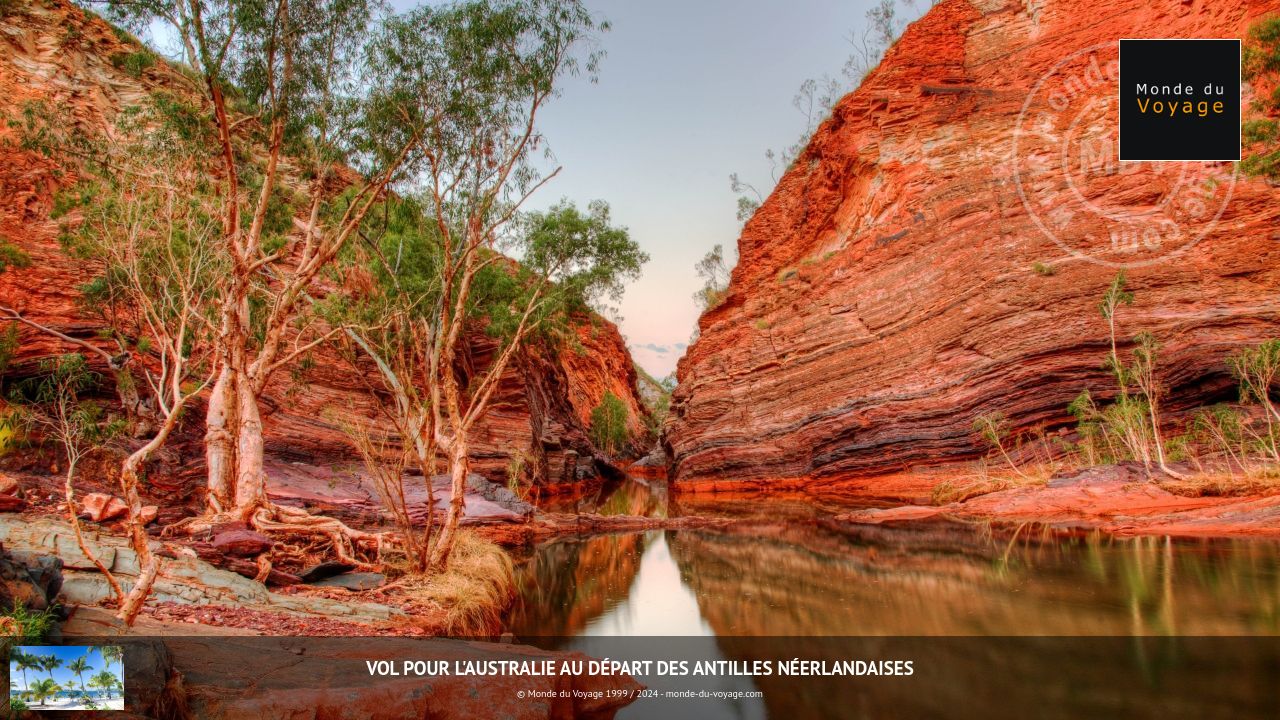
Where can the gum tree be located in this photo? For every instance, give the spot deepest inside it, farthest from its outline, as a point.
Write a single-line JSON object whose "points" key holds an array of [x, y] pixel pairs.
{"points": [[568, 259], [153, 237], [145, 227], [281, 83], [478, 75], [57, 405], [443, 99]]}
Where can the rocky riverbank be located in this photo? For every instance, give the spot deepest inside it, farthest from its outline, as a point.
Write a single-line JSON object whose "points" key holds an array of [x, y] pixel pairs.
{"points": [[1120, 500]]}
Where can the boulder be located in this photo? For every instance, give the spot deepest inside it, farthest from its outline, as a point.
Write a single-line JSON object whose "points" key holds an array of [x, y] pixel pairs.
{"points": [[101, 507], [242, 543], [31, 580], [499, 495], [149, 514], [11, 503], [8, 485]]}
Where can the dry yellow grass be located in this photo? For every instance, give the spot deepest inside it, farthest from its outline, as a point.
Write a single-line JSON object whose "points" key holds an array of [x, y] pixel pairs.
{"points": [[984, 481], [471, 595], [1259, 480]]}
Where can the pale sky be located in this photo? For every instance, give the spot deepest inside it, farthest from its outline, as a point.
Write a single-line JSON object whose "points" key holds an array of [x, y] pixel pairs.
{"points": [[689, 92]]}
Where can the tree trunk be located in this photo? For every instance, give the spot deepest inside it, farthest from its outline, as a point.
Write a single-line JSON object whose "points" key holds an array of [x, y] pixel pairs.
{"points": [[459, 468], [219, 441], [147, 561], [251, 479]]}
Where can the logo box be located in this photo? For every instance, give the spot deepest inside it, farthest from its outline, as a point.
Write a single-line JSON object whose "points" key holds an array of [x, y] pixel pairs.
{"points": [[1180, 100]]}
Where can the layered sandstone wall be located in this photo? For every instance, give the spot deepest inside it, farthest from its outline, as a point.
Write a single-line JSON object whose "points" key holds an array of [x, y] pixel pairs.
{"points": [[53, 52], [924, 262]]}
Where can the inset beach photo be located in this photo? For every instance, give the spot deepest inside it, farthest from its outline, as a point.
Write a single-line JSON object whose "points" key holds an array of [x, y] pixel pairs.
{"points": [[66, 677]]}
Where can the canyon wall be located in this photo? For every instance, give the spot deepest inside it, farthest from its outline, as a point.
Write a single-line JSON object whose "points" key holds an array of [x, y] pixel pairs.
{"points": [[939, 249], [55, 53]]}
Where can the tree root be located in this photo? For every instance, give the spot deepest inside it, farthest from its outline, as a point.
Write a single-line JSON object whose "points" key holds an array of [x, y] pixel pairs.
{"points": [[264, 568], [282, 520]]}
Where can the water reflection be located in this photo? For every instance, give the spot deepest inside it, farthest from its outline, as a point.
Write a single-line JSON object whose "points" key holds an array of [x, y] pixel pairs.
{"points": [[791, 583], [628, 496], [895, 583], [792, 574]]}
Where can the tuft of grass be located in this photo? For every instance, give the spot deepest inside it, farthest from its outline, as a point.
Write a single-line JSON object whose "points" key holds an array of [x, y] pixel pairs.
{"points": [[12, 256], [1044, 269], [1260, 480], [135, 63], [22, 622], [473, 592], [983, 482]]}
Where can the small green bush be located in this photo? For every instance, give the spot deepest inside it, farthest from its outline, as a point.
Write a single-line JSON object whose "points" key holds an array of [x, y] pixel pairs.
{"points": [[28, 624], [609, 423], [1044, 269], [134, 63], [12, 256]]}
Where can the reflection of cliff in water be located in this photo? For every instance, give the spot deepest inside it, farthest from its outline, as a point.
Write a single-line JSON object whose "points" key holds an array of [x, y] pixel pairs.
{"points": [[568, 583], [790, 592], [625, 496], [954, 580]]}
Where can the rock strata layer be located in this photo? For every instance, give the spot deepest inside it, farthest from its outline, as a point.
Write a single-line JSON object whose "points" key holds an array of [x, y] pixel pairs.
{"points": [[923, 263]]}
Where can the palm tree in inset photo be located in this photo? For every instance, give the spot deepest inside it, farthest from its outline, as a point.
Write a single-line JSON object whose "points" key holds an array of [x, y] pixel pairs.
{"points": [[110, 654], [42, 690], [79, 667], [24, 661], [49, 663], [104, 680]]}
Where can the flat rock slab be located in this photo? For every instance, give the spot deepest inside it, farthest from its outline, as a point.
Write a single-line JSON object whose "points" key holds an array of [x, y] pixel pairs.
{"points": [[316, 573], [876, 516], [354, 581], [313, 484], [183, 579]]}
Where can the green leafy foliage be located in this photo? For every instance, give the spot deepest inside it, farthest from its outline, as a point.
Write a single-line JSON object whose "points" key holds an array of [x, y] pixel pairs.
{"points": [[56, 399], [1261, 58], [106, 681], [714, 272], [609, 424], [12, 256], [133, 63], [8, 346], [1257, 369], [43, 689], [31, 625]]}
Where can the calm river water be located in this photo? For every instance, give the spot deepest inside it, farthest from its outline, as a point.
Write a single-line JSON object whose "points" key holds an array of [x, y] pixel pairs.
{"points": [[789, 575]]}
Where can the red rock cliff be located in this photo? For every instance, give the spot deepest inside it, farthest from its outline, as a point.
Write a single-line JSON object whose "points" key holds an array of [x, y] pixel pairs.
{"points": [[924, 261], [54, 52]]}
